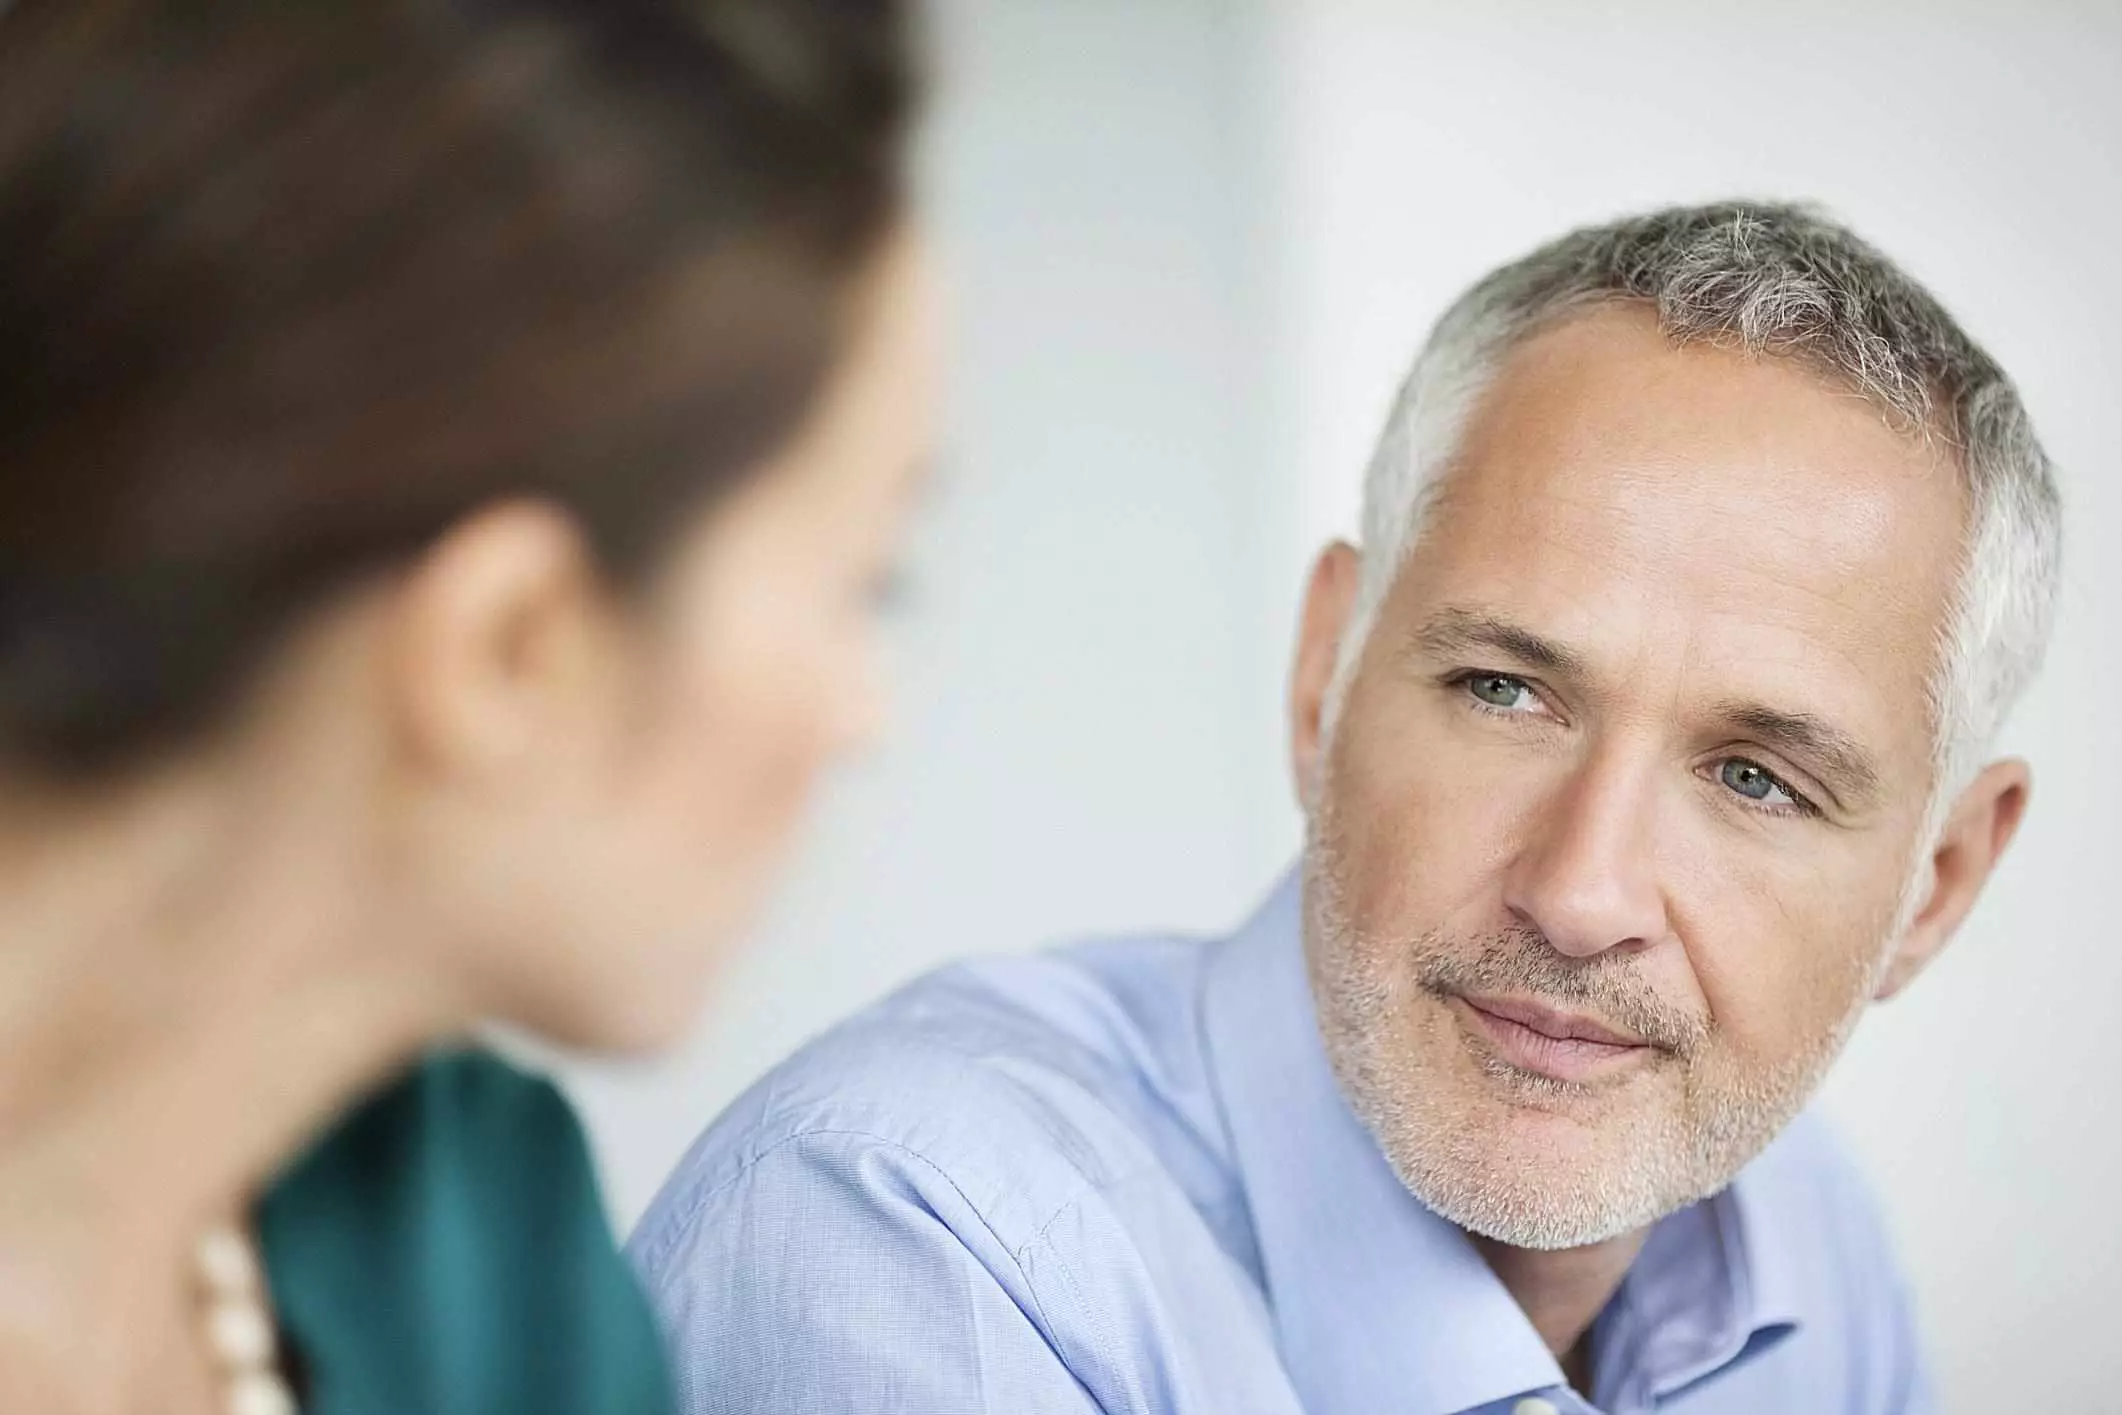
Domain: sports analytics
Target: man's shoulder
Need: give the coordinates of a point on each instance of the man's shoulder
(1818, 1236)
(1000, 1188)
(1808, 1176)
(1025, 1081)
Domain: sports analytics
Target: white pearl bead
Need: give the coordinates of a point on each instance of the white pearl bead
(239, 1333)
(227, 1263)
(258, 1393)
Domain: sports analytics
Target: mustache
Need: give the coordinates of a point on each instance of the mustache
(1522, 963)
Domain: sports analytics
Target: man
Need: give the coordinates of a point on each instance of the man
(1641, 746)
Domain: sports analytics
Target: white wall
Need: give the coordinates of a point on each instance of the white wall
(1195, 242)
(1418, 144)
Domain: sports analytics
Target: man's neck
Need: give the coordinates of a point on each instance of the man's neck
(1562, 1291)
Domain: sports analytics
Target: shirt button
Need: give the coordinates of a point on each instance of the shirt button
(1534, 1405)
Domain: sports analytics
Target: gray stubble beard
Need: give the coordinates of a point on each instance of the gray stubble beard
(1679, 1153)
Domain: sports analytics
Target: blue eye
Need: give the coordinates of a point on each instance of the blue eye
(1757, 783)
(1500, 691)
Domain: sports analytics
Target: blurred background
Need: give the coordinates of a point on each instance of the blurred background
(1194, 244)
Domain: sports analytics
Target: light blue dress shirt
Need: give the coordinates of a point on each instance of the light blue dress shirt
(1120, 1178)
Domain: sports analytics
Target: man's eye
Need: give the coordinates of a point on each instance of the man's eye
(1502, 692)
(1757, 783)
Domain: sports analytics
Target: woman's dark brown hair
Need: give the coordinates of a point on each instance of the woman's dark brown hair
(289, 286)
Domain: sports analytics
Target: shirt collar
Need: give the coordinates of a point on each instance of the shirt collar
(1379, 1303)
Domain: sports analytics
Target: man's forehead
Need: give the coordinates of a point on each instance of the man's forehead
(1607, 451)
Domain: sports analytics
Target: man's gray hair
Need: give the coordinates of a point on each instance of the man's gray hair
(1779, 281)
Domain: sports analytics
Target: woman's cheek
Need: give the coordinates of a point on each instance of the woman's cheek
(754, 737)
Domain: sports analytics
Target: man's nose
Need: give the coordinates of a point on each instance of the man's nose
(1586, 876)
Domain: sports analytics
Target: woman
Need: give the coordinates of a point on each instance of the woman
(448, 453)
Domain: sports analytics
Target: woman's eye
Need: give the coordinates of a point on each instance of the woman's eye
(887, 592)
(1502, 692)
(1757, 783)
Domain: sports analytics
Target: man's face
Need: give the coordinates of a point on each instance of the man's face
(1625, 793)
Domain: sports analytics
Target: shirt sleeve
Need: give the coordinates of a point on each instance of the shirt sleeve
(839, 1273)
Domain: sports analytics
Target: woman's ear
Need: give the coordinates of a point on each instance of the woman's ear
(1329, 605)
(1982, 824)
(501, 644)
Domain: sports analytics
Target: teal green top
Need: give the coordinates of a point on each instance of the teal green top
(443, 1252)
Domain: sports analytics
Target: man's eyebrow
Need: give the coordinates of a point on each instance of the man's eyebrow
(1839, 756)
(1453, 633)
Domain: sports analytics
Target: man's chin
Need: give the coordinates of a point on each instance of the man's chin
(1534, 1163)
(1556, 1143)
(1540, 1181)
(1535, 1222)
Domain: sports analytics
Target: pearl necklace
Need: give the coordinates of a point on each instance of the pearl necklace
(239, 1324)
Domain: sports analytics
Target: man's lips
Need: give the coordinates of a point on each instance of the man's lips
(1566, 1046)
(1561, 1026)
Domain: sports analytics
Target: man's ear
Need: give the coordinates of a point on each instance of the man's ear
(1981, 825)
(498, 643)
(1329, 605)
